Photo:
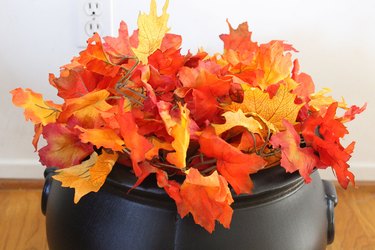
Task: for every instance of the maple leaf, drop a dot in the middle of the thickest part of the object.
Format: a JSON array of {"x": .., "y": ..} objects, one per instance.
[
  {"x": 95, "y": 59},
  {"x": 206, "y": 88},
  {"x": 146, "y": 169},
  {"x": 273, "y": 110},
  {"x": 170, "y": 41},
  {"x": 167, "y": 62},
  {"x": 319, "y": 101},
  {"x": 87, "y": 108},
  {"x": 306, "y": 85},
  {"x": 38, "y": 129},
  {"x": 37, "y": 110},
  {"x": 74, "y": 83},
  {"x": 101, "y": 137},
  {"x": 171, "y": 187},
  {"x": 249, "y": 142},
  {"x": 323, "y": 133},
  {"x": 275, "y": 65},
  {"x": 119, "y": 45},
  {"x": 64, "y": 148},
  {"x": 207, "y": 198},
  {"x": 352, "y": 112},
  {"x": 293, "y": 157},
  {"x": 234, "y": 165},
  {"x": 136, "y": 143},
  {"x": 237, "y": 118},
  {"x": 156, "y": 146},
  {"x": 163, "y": 85},
  {"x": 179, "y": 130},
  {"x": 89, "y": 176},
  {"x": 152, "y": 29},
  {"x": 238, "y": 47}
]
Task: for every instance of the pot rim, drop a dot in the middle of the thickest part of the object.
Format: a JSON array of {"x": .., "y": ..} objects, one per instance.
[{"x": 270, "y": 184}]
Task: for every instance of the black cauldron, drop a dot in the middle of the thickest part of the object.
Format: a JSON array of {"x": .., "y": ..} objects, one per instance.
[{"x": 282, "y": 213}]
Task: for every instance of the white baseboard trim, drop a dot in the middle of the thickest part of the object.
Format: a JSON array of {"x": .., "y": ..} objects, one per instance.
[
  {"x": 32, "y": 169},
  {"x": 363, "y": 172},
  {"x": 21, "y": 169}
]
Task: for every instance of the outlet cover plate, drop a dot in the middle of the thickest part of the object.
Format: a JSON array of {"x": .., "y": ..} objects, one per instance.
[{"x": 103, "y": 18}]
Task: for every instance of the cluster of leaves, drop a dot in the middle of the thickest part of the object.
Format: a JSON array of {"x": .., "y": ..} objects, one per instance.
[{"x": 216, "y": 119}]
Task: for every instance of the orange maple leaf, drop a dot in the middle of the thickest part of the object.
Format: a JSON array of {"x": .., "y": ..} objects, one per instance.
[
  {"x": 37, "y": 110},
  {"x": 238, "y": 47},
  {"x": 136, "y": 143},
  {"x": 120, "y": 45},
  {"x": 206, "y": 88},
  {"x": 95, "y": 59},
  {"x": 167, "y": 62},
  {"x": 171, "y": 187},
  {"x": 38, "y": 129},
  {"x": 274, "y": 64},
  {"x": 305, "y": 83},
  {"x": 234, "y": 165},
  {"x": 101, "y": 137},
  {"x": 157, "y": 145},
  {"x": 171, "y": 41},
  {"x": 86, "y": 109},
  {"x": 64, "y": 148},
  {"x": 207, "y": 198},
  {"x": 293, "y": 157},
  {"x": 89, "y": 176},
  {"x": 272, "y": 110}
]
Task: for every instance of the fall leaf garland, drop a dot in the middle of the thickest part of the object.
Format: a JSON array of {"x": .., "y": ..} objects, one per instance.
[{"x": 137, "y": 100}]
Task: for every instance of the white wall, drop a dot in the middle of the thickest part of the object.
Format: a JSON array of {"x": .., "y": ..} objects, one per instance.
[{"x": 335, "y": 38}]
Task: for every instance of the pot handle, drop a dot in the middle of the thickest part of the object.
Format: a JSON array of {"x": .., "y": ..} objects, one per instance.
[
  {"x": 48, "y": 173},
  {"x": 331, "y": 197}
]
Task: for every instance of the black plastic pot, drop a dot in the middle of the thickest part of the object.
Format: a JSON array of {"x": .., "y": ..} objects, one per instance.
[{"x": 282, "y": 213}]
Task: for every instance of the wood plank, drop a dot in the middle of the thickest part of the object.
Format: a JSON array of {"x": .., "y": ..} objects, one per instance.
[
  {"x": 355, "y": 218},
  {"x": 22, "y": 225}
]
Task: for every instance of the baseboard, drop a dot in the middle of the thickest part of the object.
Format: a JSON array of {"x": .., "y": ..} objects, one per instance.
[
  {"x": 32, "y": 169},
  {"x": 21, "y": 169},
  {"x": 362, "y": 172}
]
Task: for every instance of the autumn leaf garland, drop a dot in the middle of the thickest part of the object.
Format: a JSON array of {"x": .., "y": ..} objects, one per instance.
[{"x": 137, "y": 100}]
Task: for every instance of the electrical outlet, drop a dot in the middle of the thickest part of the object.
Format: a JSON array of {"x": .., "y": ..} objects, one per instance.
[
  {"x": 92, "y": 27},
  {"x": 94, "y": 16},
  {"x": 93, "y": 7}
]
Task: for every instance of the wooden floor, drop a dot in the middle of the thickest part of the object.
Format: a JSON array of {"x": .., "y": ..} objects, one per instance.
[{"x": 22, "y": 225}]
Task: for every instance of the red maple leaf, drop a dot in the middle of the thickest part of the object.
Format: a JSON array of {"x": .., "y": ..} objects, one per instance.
[
  {"x": 323, "y": 133},
  {"x": 293, "y": 157},
  {"x": 64, "y": 147}
]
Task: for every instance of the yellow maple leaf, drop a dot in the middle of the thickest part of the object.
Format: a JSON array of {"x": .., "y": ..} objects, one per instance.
[
  {"x": 237, "y": 118},
  {"x": 179, "y": 130},
  {"x": 181, "y": 135},
  {"x": 320, "y": 100},
  {"x": 270, "y": 110},
  {"x": 89, "y": 176},
  {"x": 36, "y": 109},
  {"x": 152, "y": 29}
]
